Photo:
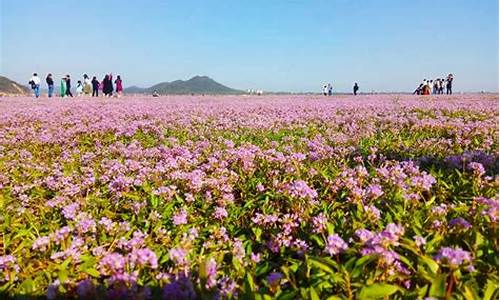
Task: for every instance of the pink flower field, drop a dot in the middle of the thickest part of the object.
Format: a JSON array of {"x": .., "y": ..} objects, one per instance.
[{"x": 250, "y": 197}]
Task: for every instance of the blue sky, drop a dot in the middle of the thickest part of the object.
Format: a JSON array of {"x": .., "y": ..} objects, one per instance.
[{"x": 384, "y": 45}]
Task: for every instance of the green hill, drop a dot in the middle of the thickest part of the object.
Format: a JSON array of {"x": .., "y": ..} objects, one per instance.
[{"x": 195, "y": 85}]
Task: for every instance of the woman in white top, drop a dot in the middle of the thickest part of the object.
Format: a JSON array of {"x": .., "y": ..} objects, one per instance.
[
  {"x": 79, "y": 88},
  {"x": 87, "y": 86}
]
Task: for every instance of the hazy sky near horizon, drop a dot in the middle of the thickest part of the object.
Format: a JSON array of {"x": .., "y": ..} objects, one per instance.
[{"x": 384, "y": 45}]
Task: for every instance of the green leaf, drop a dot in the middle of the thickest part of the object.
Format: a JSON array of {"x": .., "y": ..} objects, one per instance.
[
  {"x": 430, "y": 263},
  {"x": 62, "y": 275},
  {"x": 93, "y": 272},
  {"x": 318, "y": 240},
  {"x": 28, "y": 286},
  {"x": 249, "y": 285},
  {"x": 333, "y": 298},
  {"x": 288, "y": 295},
  {"x": 360, "y": 264},
  {"x": 258, "y": 232},
  {"x": 313, "y": 294},
  {"x": 321, "y": 266},
  {"x": 491, "y": 288},
  {"x": 378, "y": 290},
  {"x": 438, "y": 287},
  {"x": 469, "y": 294}
]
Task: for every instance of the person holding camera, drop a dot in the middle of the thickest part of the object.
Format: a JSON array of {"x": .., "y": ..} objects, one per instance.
[{"x": 35, "y": 84}]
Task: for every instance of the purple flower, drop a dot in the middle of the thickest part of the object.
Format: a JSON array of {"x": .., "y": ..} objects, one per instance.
[
  {"x": 52, "y": 289},
  {"x": 440, "y": 210},
  {"x": 364, "y": 235},
  {"x": 477, "y": 168},
  {"x": 454, "y": 257},
  {"x": 41, "y": 243},
  {"x": 372, "y": 212},
  {"x": 61, "y": 234},
  {"x": 419, "y": 241},
  {"x": 460, "y": 223},
  {"x": 8, "y": 268},
  {"x": 228, "y": 287},
  {"x": 490, "y": 207},
  {"x": 319, "y": 223},
  {"x": 180, "y": 288},
  {"x": 86, "y": 224},
  {"x": 335, "y": 244},
  {"x": 211, "y": 269},
  {"x": 220, "y": 213},
  {"x": 375, "y": 191},
  {"x": 274, "y": 278},
  {"x": 178, "y": 255},
  {"x": 107, "y": 224},
  {"x": 69, "y": 211},
  {"x": 112, "y": 263},
  {"x": 300, "y": 189},
  {"x": 180, "y": 218},
  {"x": 143, "y": 257},
  {"x": 85, "y": 289},
  {"x": 255, "y": 257}
]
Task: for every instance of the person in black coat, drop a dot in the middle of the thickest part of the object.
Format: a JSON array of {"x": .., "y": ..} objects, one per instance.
[
  {"x": 95, "y": 87},
  {"x": 107, "y": 87},
  {"x": 68, "y": 86},
  {"x": 355, "y": 88}
]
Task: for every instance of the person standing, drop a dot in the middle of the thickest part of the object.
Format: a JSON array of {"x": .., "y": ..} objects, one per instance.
[
  {"x": 35, "y": 84},
  {"x": 426, "y": 88},
  {"x": 111, "y": 88},
  {"x": 119, "y": 86},
  {"x": 105, "y": 85},
  {"x": 79, "y": 88},
  {"x": 325, "y": 90},
  {"x": 449, "y": 82},
  {"x": 68, "y": 86},
  {"x": 95, "y": 87},
  {"x": 355, "y": 88},
  {"x": 86, "y": 85},
  {"x": 63, "y": 87},
  {"x": 330, "y": 89},
  {"x": 50, "y": 85}
]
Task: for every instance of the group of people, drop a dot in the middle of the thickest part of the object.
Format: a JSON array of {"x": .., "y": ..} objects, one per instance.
[
  {"x": 435, "y": 87},
  {"x": 328, "y": 89},
  {"x": 86, "y": 86}
]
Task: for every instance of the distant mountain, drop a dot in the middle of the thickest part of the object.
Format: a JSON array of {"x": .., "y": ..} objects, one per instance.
[
  {"x": 195, "y": 85},
  {"x": 9, "y": 87},
  {"x": 134, "y": 90}
]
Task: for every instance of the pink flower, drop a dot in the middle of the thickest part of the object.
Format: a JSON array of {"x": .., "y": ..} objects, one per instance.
[
  {"x": 220, "y": 213},
  {"x": 180, "y": 218}
]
